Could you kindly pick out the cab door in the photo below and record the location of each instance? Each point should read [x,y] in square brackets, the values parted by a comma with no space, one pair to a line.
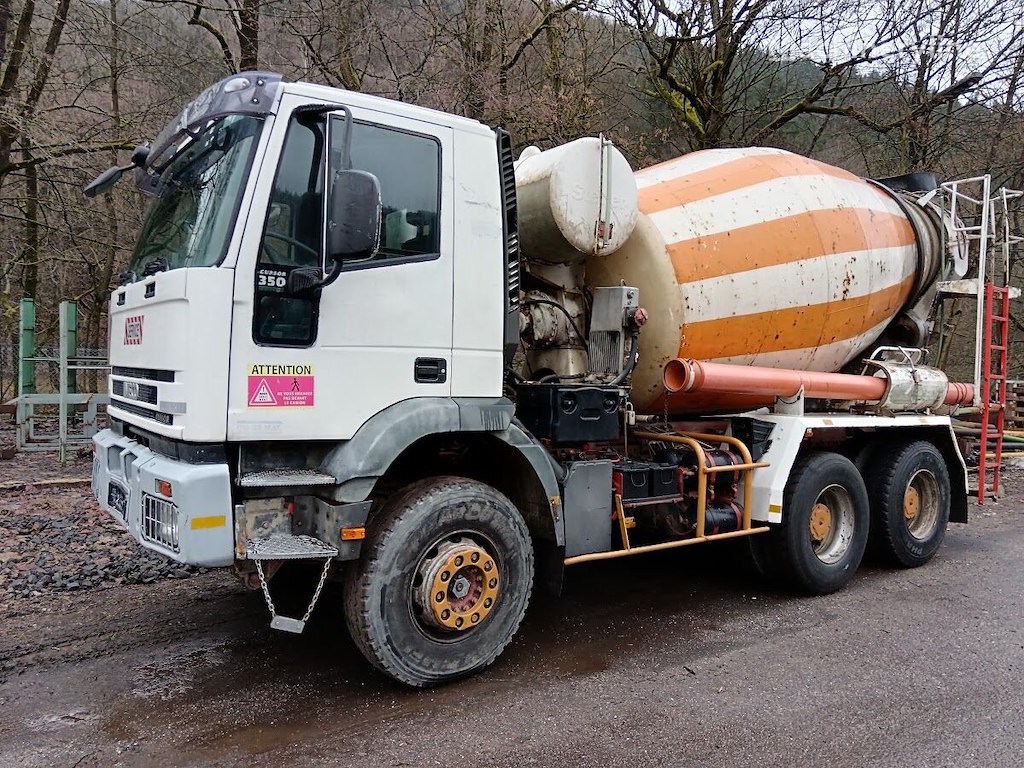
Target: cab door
[318,367]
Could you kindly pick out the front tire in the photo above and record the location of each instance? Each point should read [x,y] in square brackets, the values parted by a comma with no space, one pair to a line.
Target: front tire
[443,581]
[825,523]
[910,499]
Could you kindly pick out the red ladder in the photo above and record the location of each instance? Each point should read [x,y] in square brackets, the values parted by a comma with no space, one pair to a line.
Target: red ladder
[993,384]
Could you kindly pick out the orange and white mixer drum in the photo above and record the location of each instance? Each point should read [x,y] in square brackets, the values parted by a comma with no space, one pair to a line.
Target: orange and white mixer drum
[758,256]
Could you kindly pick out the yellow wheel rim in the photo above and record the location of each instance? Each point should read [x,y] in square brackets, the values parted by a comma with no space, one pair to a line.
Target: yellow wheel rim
[821,522]
[911,503]
[460,586]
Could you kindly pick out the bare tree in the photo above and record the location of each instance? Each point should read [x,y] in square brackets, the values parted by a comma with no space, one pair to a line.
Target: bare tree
[738,72]
[233,24]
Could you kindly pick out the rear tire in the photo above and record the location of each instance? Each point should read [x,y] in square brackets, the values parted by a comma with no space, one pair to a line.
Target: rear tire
[910,499]
[442,583]
[825,522]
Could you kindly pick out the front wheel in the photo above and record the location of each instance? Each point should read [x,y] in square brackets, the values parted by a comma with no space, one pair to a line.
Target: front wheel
[443,581]
[825,523]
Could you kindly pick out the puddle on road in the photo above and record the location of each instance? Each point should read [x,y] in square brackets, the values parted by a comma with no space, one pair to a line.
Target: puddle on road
[260,691]
[174,673]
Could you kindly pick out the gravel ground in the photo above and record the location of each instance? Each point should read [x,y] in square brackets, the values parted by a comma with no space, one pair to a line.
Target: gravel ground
[33,466]
[670,659]
[55,538]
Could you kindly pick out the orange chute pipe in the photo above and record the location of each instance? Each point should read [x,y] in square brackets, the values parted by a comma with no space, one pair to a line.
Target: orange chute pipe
[698,376]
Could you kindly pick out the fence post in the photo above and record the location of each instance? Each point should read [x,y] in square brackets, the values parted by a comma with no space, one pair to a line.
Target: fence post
[71,308]
[62,420]
[26,347]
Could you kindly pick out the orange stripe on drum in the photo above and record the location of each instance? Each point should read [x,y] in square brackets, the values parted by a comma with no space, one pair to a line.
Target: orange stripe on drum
[783,241]
[793,328]
[730,176]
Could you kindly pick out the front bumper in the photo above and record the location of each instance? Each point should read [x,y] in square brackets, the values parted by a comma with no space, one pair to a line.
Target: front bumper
[193,525]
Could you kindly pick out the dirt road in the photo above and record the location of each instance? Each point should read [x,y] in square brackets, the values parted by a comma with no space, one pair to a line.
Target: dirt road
[676,659]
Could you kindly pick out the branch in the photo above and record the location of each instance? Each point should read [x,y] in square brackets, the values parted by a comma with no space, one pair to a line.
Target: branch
[197,20]
[13,69]
[542,25]
[53,152]
[60,18]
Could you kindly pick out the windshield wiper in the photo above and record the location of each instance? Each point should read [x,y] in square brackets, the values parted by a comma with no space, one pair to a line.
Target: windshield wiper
[159,264]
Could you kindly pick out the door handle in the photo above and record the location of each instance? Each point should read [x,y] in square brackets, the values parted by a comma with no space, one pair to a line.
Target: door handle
[430,370]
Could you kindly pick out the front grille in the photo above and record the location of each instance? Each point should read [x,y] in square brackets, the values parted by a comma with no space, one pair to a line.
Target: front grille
[160,522]
[144,392]
[153,374]
[146,413]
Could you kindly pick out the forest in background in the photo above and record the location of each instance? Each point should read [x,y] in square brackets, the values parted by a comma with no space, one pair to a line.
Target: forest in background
[879,88]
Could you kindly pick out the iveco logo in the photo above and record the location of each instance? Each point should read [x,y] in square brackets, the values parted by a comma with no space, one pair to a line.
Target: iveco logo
[131,389]
[133,329]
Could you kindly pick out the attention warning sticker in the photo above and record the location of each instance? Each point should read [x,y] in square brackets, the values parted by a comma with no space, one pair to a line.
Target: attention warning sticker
[281,386]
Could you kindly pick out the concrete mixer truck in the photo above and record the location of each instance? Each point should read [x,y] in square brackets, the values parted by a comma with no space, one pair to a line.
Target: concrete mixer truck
[364,334]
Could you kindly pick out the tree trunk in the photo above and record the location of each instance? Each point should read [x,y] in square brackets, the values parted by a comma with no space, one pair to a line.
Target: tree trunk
[30,253]
[101,281]
[5,21]
[249,35]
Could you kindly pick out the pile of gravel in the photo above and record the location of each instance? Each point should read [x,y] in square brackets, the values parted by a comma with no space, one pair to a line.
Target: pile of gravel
[57,540]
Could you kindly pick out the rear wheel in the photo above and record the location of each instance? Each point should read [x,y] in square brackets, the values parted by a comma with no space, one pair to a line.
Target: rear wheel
[910,498]
[443,581]
[825,523]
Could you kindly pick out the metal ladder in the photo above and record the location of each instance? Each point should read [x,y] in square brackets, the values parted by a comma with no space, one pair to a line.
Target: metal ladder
[995,330]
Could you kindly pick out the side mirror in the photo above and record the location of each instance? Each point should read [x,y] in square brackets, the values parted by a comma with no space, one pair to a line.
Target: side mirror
[105,180]
[109,177]
[353,221]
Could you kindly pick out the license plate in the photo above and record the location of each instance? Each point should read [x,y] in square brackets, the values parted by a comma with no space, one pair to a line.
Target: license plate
[117,498]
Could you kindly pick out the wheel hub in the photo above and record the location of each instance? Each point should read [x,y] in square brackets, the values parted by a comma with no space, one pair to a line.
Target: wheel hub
[459,585]
[911,503]
[821,522]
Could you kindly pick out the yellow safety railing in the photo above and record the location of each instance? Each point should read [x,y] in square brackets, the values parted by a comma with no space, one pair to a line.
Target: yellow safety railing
[691,440]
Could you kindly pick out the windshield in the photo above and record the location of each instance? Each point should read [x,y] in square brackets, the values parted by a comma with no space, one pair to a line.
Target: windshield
[190,221]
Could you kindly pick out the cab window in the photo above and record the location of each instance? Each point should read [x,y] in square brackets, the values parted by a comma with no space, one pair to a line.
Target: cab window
[292,238]
[407,165]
